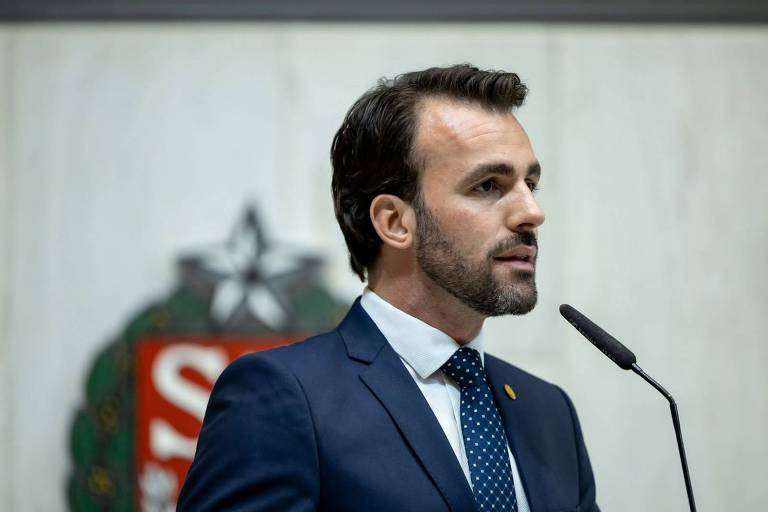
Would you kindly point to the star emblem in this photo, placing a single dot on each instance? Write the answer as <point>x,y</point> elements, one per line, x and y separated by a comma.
<point>250,276</point>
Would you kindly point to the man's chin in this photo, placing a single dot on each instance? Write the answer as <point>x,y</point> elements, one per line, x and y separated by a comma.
<point>518,299</point>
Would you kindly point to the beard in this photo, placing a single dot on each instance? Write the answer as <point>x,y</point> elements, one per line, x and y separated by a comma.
<point>473,283</point>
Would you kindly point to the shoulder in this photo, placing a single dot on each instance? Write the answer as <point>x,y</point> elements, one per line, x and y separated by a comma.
<point>294,354</point>
<point>309,359</point>
<point>257,429</point>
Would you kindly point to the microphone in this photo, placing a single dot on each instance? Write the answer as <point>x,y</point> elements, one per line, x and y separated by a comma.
<point>626,360</point>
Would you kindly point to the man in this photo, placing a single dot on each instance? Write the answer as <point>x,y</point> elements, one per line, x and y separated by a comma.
<point>399,409</point>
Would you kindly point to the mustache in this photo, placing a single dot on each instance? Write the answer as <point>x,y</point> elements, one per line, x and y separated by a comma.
<point>517,239</point>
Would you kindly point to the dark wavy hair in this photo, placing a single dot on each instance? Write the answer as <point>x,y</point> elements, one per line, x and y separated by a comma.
<point>372,152</point>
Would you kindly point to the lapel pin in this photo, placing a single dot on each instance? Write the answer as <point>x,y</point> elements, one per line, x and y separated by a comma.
<point>510,392</point>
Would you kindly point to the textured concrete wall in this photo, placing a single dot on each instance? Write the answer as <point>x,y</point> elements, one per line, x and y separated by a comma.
<point>125,145</point>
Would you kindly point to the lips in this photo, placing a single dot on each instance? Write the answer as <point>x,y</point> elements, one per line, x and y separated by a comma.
<point>521,252</point>
<point>522,257</point>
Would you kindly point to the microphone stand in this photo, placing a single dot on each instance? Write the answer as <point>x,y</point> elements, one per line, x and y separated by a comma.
<point>678,432</point>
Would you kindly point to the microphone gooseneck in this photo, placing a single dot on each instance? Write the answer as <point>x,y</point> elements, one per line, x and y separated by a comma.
<point>626,360</point>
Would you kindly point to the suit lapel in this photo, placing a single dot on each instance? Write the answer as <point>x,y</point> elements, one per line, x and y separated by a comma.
<point>393,386</point>
<point>513,415</point>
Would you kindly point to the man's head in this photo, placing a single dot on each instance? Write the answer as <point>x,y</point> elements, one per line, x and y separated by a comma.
<point>441,149</point>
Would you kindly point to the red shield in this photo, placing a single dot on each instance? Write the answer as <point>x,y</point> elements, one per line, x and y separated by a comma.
<point>174,377</point>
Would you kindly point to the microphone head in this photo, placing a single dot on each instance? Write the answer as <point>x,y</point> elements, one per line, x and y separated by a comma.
<point>607,344</point>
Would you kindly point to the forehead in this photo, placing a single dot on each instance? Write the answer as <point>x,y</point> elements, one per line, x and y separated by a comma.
<point>454,134</point>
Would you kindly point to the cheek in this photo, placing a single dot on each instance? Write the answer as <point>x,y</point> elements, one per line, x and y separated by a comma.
<point>468,229</point>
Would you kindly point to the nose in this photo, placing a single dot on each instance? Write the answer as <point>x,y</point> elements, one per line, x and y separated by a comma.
<point>524,212</point>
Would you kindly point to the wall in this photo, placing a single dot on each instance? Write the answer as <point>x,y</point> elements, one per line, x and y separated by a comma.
<point>125,145</point>
<point>6,440</point>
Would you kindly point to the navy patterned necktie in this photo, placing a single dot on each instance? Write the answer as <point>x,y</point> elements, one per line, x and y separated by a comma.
<point>483,434</point>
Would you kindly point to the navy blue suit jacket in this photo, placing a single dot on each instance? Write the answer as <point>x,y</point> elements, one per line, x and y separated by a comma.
<point>336,423</point>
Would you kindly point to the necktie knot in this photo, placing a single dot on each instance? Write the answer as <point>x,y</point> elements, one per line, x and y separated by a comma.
<point>465,368</point>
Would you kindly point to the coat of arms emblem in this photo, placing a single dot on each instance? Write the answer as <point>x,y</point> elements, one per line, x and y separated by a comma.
<point>134,437</point>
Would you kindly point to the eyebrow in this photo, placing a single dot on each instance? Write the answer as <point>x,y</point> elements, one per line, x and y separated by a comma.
<point>500,169</point>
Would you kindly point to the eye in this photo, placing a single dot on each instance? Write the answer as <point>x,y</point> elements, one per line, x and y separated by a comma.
<point>532,185</point>
<point>486,187</point>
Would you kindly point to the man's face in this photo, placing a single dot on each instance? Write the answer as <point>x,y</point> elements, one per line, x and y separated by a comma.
<point>476,215</point>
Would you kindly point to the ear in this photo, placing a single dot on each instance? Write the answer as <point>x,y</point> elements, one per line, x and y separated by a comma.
<point>394,220</point>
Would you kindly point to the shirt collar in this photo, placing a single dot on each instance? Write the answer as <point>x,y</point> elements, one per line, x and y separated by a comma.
<point>422,346</point>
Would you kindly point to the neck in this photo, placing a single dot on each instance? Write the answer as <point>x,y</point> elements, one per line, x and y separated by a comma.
<point>421,298</point>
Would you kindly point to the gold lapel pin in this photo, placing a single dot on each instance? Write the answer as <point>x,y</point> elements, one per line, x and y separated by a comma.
<point>510,392</point>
